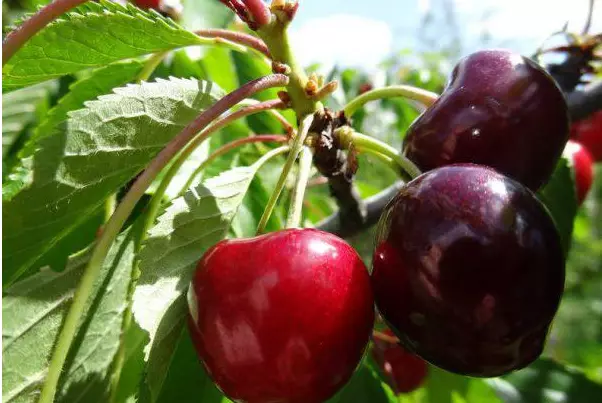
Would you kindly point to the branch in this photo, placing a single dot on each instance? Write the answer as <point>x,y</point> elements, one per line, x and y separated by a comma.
<point>582,103</point>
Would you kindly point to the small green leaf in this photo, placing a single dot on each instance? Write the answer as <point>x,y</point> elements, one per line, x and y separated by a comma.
<point>91,155</point>
<point>446,387</point>
<point>560,198</point>
<point>189,226</point>
<point>33,311</point>
<point>94,34</point>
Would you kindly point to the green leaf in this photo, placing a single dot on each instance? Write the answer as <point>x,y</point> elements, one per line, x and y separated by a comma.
<point>189,226</point>
<point>33,311</point>
<point>20,109</point>
<point>446,387</point>
<point>187,380</point>
<point>94,34</point>
<point>205,14</point>
<point>219,67</point>
<point>560,198</point>
<point>549,381</point>
<point>96,151</point>
<point>99,82</point>
<point>365,385</point>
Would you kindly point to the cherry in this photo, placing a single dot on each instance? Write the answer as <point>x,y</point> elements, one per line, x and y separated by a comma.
<point>589,133</point>
<point>468,270</point>
<point>282,317</point>
<point>581,161</point>
<point>404,371</point>
<point>147,4</point>
<point>499,109</point>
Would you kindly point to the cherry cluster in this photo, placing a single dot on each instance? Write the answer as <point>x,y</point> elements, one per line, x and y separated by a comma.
<point>468,268</point>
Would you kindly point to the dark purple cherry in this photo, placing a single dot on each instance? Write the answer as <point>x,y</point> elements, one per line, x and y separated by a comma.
<point>282,317</point>
<point>499,109</point>
<point>468,270</point>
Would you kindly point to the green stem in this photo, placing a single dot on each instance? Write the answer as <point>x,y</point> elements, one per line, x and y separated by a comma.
<point>383,158</point>
<point>376,147</point>
<point>229,147</point>
<point>275,36</point>
<point>292,156</point>
<point>150,66</point>
<point>417,94</point>
<point>124,209</point>
<point>296,207</point>
<point>155,202</point>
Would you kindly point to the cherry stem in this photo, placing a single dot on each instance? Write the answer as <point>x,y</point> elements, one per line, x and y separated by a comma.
<point>155,202</point>
<point>122,212</point>
<point>298,142</point>
<point>425,97</point>
<point>17,38</point>
<point>384,337</point>
<point>261,138</point>
<point>237,37</point>
<point>296,208</point>
<point>349,137</point>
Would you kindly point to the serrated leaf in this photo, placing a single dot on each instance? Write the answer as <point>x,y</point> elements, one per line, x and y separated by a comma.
<point>94,34</point>
<point>99,82</point>
<point>189,226</point>
<point>560,198</point>
<point>96,151</point>
<point>19,110</point>
<point>33,311</point>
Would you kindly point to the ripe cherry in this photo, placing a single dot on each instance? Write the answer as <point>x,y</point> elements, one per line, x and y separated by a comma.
<point>147,4</point>
<point>499,109</point>
<point>468,270</point>
<point>282,317</point>
<point>404,371</point>
<point>589,133</point>
<point>581,161</point>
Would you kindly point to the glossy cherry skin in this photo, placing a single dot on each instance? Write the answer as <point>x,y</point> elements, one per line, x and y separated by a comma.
<point>468,270</point>
<point>404,371</point>
<point>499,109</point>
<point>588,132</point>
<point>581,161</point>
<point>146,4</point>
<point>282,317</point>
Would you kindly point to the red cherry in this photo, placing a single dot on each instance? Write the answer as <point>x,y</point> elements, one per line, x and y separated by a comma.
<point>589,133</point>
<point>582,162</point>
<point>468,270</point>
<point>404,371</point>
<point>499,109</point>
<point>282,317</point>
<point>146,4</point>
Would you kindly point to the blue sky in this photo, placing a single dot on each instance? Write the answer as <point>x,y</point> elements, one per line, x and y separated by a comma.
<point>362,33</point>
